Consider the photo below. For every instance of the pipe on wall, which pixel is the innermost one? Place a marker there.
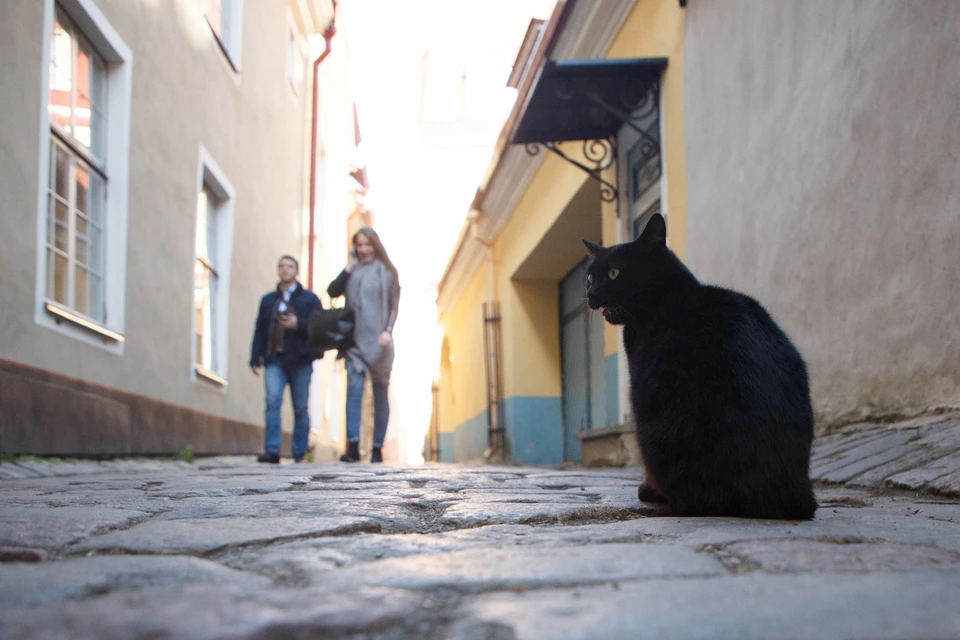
(327, 36)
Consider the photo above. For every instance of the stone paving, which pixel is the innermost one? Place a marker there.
(226, 548)
(922, 454)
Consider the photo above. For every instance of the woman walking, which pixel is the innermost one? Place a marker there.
(372, 289)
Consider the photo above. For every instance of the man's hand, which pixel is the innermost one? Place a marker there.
(288, 321)
(385, 339)
(256, 369)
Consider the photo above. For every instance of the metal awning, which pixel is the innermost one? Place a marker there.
(586, 99)
(589, 101)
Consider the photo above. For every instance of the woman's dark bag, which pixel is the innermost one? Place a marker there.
(331, 329)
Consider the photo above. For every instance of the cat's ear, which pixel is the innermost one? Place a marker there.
(655, 233)
(591, 247)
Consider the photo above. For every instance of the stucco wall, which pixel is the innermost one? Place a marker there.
(463, 375)
(183, 96)
(822, 154)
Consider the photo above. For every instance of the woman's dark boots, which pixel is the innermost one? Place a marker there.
(352, 454)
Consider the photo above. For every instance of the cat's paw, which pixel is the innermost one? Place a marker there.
(648, 494)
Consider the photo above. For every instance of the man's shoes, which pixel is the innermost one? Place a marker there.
(377, 455)
(271, 458)
(298, 459)
(352, 453)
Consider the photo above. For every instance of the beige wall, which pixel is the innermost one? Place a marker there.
(184, 96)
(824, 179)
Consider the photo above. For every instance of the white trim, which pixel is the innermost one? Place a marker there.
(626, 138)
(231, 37)
(209, 376)
(664, 178)
(236, 35)
(211, 176)
(89, 20)
(68, 315)
(591, 29)
(101, 34)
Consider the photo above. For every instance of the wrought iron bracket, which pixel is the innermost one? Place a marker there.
(629, 107)
(601, 154)
(633, 110)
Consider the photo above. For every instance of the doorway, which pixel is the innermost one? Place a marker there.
(581, 357)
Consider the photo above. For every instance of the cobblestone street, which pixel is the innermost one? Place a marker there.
(225, 548)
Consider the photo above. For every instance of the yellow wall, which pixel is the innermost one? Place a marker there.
(446, 383)
(463, 332)
(551, 189)
(531, 323)
(531, 338)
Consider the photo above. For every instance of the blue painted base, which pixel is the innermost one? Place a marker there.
(446, 447)
(467, 441)
(471, 438)
(534, 429)
(534, 433)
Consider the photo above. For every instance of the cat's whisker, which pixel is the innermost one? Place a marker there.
(623, 310)
(583, 305)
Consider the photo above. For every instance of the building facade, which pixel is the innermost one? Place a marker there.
(800, 153)
(157, 162)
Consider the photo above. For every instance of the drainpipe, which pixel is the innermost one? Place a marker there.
(491, 340)
(327, 36)
(487, 244)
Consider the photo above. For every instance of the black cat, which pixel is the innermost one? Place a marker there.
(719, 393)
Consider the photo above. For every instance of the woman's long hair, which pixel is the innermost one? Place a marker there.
(379, 251)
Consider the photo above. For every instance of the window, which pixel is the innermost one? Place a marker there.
(205, 281)
(84, 157)
(211, 272)
(225, 18)
(644, 172)
(77, 183)
(294, 57)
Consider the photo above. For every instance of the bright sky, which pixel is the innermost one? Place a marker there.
(422, 179)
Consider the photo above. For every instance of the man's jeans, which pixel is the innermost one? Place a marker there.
(381, 408)
(276, 377)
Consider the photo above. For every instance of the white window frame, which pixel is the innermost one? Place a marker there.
(624, 232)
(212, 177)
(108, 335)
(230, 40)
(296, 60)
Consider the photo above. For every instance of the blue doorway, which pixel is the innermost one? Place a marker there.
(582, 363)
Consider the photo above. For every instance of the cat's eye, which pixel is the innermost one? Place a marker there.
(613, 273)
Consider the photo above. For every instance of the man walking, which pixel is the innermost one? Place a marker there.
(280, 347)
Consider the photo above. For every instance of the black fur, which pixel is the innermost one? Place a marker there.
(719, 393)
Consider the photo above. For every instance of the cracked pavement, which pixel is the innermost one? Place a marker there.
(226, 548)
